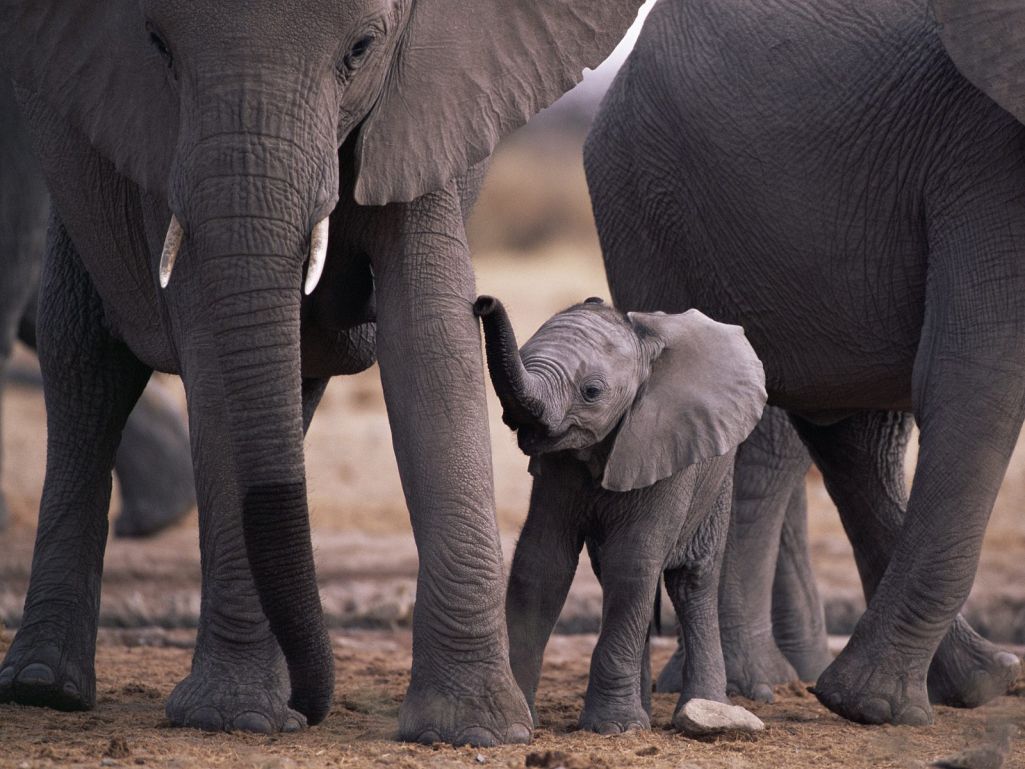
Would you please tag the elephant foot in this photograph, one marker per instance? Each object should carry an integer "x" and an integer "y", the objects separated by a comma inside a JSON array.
[
  {"x": 754, "y": 665},
  {"x": 870, "y": 689},
  {"x": 488, "y": 710},
  {"x": 670, "y": 680},
  {"x": 607, "y": 716},
  {"x": 968, "y": 671},
  {"x": 245, "y": 696},
  {"x": 45, "y": 674}
]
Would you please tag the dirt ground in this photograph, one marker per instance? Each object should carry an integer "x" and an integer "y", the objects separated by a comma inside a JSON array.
[
  {"x": 537, "y": 261},
  {"x": 128, "y": 727}
]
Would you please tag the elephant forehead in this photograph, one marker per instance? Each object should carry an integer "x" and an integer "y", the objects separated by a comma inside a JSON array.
[{"x": 584, "y": 336}]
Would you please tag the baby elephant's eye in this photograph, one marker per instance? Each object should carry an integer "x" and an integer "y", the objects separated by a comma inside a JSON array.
[{"x": 592, "y": 391}]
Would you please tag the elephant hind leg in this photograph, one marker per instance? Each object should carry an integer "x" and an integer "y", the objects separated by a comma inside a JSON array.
[
  {"x": 91, "y": 382},
  {"x": 770, "y": 466},
  {"x": 154, "y": 467},
  {"x": 798, "y": 619},
  {"x": 863, "y": 464}
]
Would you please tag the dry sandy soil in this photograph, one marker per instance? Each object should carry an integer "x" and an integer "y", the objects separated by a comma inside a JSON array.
[
  {"x": 367, "y": 567},
  {"x": 128, "y": 727}
]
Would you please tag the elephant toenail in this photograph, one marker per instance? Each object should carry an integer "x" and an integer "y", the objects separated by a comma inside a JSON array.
[
  {"x": 206, "y": 718},
  {"x": 291, "y": 725},
  {"x": 609, "y": 727},
  {"x": 876, "y": 711},
  {"x": 915, "y": 716},
  {"x": 1008, "y": 660},
  {"x": 6, "y": 676},
  {"x": 70, "y": 689},
  {"x": 36, "y": 674},
  {"x": 428, "y": 737},
  {"x": 762, "y": 693},
  {"x": 252, "y": 722},
  {"x": 519, "y": 734},
  {"x": 478, "y": 737}
]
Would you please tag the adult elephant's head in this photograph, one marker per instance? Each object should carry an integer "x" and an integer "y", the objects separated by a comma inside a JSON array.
[{"x": 233, "y": 112}]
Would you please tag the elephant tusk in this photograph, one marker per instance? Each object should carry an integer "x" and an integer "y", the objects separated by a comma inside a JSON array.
[
  {"x": 172, "y": 245},
  {"x": 318, "y": 254}
]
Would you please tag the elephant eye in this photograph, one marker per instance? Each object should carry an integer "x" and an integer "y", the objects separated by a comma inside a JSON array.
[
  {"x": 158, "y": 42},
  {"x": 592, "y": 391},
  {"x": 358, "y": 51}
]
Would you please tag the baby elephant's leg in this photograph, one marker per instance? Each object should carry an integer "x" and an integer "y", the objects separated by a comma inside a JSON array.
[
  {"x": 542, "y": 572},
  {"x": 694, "y": 588},
  {"x": 629, "y": 577}
]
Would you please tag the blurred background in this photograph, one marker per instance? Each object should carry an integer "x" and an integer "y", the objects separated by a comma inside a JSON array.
[{"x": 535, "y": 247}]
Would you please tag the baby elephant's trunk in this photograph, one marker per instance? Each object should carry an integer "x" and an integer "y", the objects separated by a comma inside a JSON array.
[{"x": 515, "y": 386}]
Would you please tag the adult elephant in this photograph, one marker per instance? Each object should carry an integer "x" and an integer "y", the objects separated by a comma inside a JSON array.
[
  {"x": 209, "y": 149},
  {"x": 153, "y": 462},
  {"x": 833, "y": 183}
]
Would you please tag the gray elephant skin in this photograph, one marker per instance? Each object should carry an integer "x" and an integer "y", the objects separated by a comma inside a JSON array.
[
  {"x": 154, "y": 464},
  {"x": 631, "y": 424},
  {"x": 847, "y": 186},
  {"x": 212, "y": 148}
]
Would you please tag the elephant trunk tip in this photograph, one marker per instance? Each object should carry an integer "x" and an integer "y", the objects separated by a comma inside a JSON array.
[{"x": 485, "y": 306}]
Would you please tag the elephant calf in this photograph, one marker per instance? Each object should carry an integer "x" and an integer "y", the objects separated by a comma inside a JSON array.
[{"x": 631, "y": 424}]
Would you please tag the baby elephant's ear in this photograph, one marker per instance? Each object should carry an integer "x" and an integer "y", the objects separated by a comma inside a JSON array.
[{"x": 705, "y": 395}]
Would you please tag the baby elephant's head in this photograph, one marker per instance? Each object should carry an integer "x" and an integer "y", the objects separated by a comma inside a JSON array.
[{"x": 671, "y": 390}]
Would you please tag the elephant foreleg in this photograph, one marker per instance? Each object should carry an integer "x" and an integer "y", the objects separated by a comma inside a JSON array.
[
  {"x": 428, "y": 340},
  {"x": 91, "y": 383},
  {"x": 542, "y": 571}
]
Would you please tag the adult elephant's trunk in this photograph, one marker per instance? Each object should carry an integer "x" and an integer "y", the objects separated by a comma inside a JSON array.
[
  {"x": 516, "y": 387},
  {"x": 247, "y": 226}
]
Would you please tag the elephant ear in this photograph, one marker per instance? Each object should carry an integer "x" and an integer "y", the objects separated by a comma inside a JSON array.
[
  {"x": 705, "y": 394},
  {"x": 466, "y": 73},
  {"x": 91, "y": 62},
  {"x": 984, "y": 40}
]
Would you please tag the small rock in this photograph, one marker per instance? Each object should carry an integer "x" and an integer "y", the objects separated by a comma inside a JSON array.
[
  {"x": 701, "y": 718},
  {"x": 480, "y": 759},
  {"x": 108, "y": 762},
  {"x": 651, "y": 750}
]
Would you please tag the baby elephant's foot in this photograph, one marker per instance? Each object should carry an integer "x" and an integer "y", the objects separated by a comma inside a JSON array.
[
  {"x": 703, "y": 718},
  {"x": 613, "y": 716},
  {"x": 754, "y": 665},
  {"x": 45, "y": 675},
  {"x": 670, "y": 680},
  {"x": 870, "y": 689},
  {"x": 968, "y": 670},
  {"x": 233, "y": 697}
]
